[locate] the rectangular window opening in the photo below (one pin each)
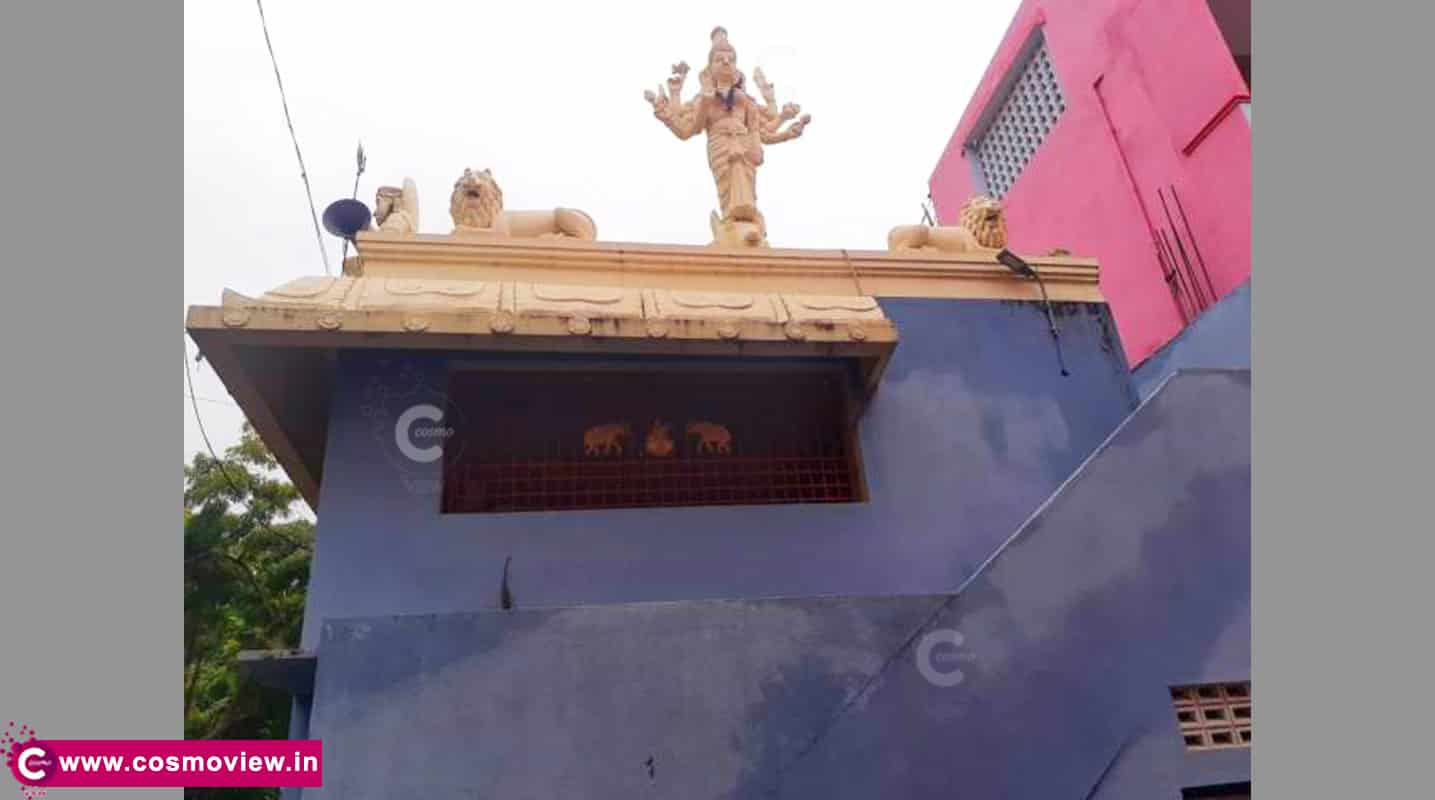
(631, 437)
(1020, 115)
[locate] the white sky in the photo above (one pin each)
(550, 97)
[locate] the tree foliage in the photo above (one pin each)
(246, 566)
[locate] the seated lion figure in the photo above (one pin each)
(477, 210)
(982, 227)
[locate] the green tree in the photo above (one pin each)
(246, 566)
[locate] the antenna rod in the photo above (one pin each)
(360, 161)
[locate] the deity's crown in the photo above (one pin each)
(720, 42)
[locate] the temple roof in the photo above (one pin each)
(275, 352)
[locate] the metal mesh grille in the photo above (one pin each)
(525, 441)
(1027, 115)
(1214, 715)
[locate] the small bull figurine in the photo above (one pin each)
(712, 437)
(606, 439)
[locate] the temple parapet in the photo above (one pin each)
(926, 273)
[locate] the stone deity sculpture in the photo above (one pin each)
(396, 210)
(737, 127)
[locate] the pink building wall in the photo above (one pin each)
(1153, 100)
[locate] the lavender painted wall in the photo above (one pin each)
(1134, 577)
(1152, 101)
(1218, 339)
(972, 428)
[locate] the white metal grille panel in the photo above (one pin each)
(1027, 115)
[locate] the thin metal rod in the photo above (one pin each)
(1127, 169)
(1192, 290)
(1191, 234)
(1180, 275)
(1172, 279)
(1180, 247)
(360, 162)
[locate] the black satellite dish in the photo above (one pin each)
(345, 218)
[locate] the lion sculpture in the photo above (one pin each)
(477, 209)
(396, 210)
(982, 227)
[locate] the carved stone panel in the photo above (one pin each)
(584, 301)
(820, 308)
(443, 295)
(308, 292)
(680, 304)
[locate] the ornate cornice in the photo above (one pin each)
(799, 271)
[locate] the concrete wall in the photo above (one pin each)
(972, 428)
(1135, 576)
(1219, 339)
(1152, 94)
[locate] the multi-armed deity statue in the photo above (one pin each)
(737, 127)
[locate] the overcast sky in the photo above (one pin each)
(550, 97)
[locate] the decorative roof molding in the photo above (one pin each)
(975, 275)
(378, 305)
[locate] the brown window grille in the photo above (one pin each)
(531, 440)
(1213, 715)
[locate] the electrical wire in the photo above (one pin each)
(219, 465)
(1051, 322)
(303, 172)
(199, 420)
(211, 400)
